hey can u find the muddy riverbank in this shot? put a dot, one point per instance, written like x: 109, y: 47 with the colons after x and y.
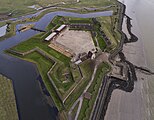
x: 123, y: 104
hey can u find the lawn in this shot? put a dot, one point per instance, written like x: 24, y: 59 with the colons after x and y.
x: 17, y: 6
x: 44, y: 66
x: 62, y: 77
x: 74, y: 111
x: 8, y: 110
x: 87, y: 105
x: 87, y: 68
x: 2, y: 24
x: 64, y: 74
x: 37, y: 41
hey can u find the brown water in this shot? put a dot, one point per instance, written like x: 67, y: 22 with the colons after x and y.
x: 142, y: 14
x: 139, y: 104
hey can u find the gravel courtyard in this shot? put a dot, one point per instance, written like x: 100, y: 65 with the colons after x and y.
x: 77, y: 41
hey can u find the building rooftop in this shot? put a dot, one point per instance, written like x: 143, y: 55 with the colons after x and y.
x: 60, y: 28
x: 50, y: 36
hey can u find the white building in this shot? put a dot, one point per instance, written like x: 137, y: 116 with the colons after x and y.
x: 51, y: 36
x: 61, y: 28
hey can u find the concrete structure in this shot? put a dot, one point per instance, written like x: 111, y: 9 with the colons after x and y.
x: 62, y: 27
x: 77, y: 41
x: 51, y: 36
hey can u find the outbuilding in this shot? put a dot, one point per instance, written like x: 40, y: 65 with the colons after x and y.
x: 62, y: 27
x: 51, y: 36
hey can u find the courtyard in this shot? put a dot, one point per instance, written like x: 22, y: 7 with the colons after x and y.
x: 74, y: 42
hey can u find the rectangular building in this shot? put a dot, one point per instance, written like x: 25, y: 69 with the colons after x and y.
x: 62, y: 27
x: 51, y: 36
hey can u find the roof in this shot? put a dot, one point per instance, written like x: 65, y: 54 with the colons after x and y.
x: 87, y: 95
x: 50, y: 36
x: 61, y: 27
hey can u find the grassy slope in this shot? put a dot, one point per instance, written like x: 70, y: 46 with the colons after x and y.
x: 20, y: 7
x: 44, y: 65
x: 37, y: 41
x: 2, y: 24
x: 8, y: 109
x: 87, y: 68
x: 93, y: 89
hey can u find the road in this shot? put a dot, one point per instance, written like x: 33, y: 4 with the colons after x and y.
x: 80, y: 99
x: 99, y: 60
x: 99, y: 101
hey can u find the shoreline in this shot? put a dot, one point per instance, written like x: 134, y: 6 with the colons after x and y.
x: 137, y: 57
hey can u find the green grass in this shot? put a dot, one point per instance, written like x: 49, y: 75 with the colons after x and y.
x: 37, y: 41
x: 63, y: 66
x: 59, y: 78
x: 79, y: 20
x: 87, y: 68
x: 65, y: 85
x: 109, y: 27
x: 8, y: 110
x: 93, y: 89
x: 11, y: 31
x: 2, y: 24
x: 101, y: 42
x: 74, y: 111
x: 44, y: 66
x: 85, y: 105
x: 19, y: 7
x: 92, y: 3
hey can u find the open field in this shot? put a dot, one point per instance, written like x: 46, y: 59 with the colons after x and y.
x: 87, y: 68
x: 64, y: 79
x: 109, y: 27
x: 10, y: 31
x: 44, y: 66
x: 8, y: 110
x: 18, y: 7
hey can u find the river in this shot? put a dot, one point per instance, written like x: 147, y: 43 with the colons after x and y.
x: 137, y: 105
x: 31, y: 102
x: 141, y: 12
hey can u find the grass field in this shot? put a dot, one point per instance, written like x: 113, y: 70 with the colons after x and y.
x: 44, y: 66
x: 20, y: 7
x: 2, y: 24
x: 93, y: 89
x: 8, y: 110
x: 87, y: 68
x: 17, y: 6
